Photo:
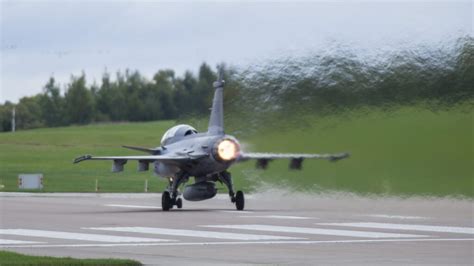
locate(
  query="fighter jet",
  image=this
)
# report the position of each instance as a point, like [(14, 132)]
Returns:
[(185, 153)]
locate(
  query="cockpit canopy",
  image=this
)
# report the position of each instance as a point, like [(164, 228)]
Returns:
[(177, 131)]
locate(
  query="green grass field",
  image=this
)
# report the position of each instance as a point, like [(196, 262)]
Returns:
[(407, 151), (8, 258)]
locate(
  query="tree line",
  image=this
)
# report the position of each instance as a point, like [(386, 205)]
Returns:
[(313, 84), (128, 97)]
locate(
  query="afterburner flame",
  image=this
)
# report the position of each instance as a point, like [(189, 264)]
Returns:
[(227, 150)]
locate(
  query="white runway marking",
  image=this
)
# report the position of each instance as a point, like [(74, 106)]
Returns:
[(302, 242), (313, 231), (192, 233), (414, 227), (396, 217), (77, 236), (14, 242), (237, 211), (278, 217), (132, 206)]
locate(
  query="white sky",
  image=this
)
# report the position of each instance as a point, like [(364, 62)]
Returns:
[(60, 38)]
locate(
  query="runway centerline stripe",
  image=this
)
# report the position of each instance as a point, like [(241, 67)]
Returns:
[(192, 233), (312, 231), (14, 242), (277, 217), (77, 236), (414, 227), (132, 206)]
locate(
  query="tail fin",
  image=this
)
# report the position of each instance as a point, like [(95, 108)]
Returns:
[(216, 122)]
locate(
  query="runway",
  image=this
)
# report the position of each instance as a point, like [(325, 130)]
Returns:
[(277, 227)]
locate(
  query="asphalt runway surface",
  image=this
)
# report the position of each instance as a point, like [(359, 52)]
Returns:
[(277, 227)]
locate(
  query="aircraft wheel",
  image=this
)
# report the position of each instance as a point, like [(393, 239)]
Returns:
[(239, 200), (165, 201), (179, 203)]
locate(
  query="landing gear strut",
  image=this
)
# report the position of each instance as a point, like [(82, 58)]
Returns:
[(237, 198), (169, 198)]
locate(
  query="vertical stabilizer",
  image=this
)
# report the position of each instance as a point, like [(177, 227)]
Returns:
[(216, 122)]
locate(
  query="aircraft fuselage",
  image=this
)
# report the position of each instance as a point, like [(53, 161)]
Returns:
[(202, 146)]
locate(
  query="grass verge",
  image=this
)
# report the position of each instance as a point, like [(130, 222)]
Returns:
[(405, 151), (13, 258)]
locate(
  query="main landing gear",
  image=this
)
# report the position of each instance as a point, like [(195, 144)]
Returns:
[(170, 198), (237, 198)]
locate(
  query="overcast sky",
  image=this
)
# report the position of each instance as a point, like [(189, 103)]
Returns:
[(44, 38)]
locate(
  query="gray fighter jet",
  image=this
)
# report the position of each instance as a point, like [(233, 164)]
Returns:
[(206, 156)]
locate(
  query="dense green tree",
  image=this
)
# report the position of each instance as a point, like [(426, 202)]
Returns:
[(52, 104), (184, 94), (5, 116), (203, 92), (133, 87), (29, 113), (79, 101), (164, 85), (110, 99)]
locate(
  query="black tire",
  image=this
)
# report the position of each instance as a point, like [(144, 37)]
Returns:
[(239, 200), (165, 201), (179, 203)]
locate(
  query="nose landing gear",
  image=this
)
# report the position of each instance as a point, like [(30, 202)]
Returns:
[(167, 202), (170, 198)]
